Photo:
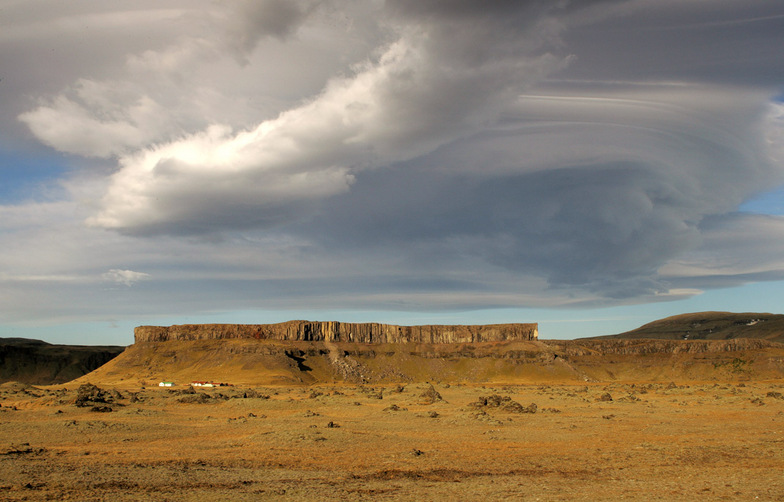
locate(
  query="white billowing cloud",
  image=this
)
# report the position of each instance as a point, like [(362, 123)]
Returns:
[(126, 277), (161, 93), (212, 180), (418, 95), (96, 121)]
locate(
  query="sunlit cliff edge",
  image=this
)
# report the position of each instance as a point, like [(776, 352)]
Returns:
[(332, 331)]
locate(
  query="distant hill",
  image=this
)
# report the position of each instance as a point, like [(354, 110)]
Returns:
[(711, 326), (40, 363)]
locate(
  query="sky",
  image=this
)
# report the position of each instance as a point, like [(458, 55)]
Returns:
[(589, 165)]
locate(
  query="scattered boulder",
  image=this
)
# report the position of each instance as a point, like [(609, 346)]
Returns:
[(92, 395), (430, 395), (515, 407), (395, 407), (775, 395), (254, 394), (102, 409), (196, 398), (492, 401), (503, 402), (22, 449), (606, 397)]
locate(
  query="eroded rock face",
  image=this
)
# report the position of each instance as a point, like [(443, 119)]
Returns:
[(331, 331), (586, 347), (40, 363)]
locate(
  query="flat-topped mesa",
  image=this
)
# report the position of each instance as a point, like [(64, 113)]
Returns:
[(332, 331)]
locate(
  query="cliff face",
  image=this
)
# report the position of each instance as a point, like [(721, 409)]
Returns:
[(40, 363), (615, 346), (331, 331)]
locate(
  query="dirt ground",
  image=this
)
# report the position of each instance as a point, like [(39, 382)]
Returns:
[(713, 441)]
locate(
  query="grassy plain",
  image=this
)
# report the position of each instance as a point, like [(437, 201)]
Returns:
[(592, 441)]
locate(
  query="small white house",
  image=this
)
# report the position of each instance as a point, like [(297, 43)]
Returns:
[(166, 384)]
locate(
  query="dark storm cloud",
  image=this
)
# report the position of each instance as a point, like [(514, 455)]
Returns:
[(255, 20), (721, 42), (598, 210)]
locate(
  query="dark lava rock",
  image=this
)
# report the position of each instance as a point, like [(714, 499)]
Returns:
[(430, 395), (22, 449), (92, 395), (504, 402), (254, 394), (395, 407), (197, 398), (515, 407)]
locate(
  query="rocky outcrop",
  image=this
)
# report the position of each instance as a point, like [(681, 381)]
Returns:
[(40, 363), (331, 331), (604, 347)]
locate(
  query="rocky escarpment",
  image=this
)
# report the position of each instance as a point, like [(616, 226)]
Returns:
[(331, 331), (40, 363), (606, 347)]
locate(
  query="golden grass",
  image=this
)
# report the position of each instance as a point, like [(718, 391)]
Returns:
[(717, 441)]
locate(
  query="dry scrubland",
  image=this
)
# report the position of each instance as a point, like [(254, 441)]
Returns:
[(716, 435), (650, 441)]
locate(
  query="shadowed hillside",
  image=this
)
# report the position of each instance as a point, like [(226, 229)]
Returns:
[(40, 363), (711, 326)]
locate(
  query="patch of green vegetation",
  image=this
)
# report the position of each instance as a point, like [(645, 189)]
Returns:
[(736, 365)]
